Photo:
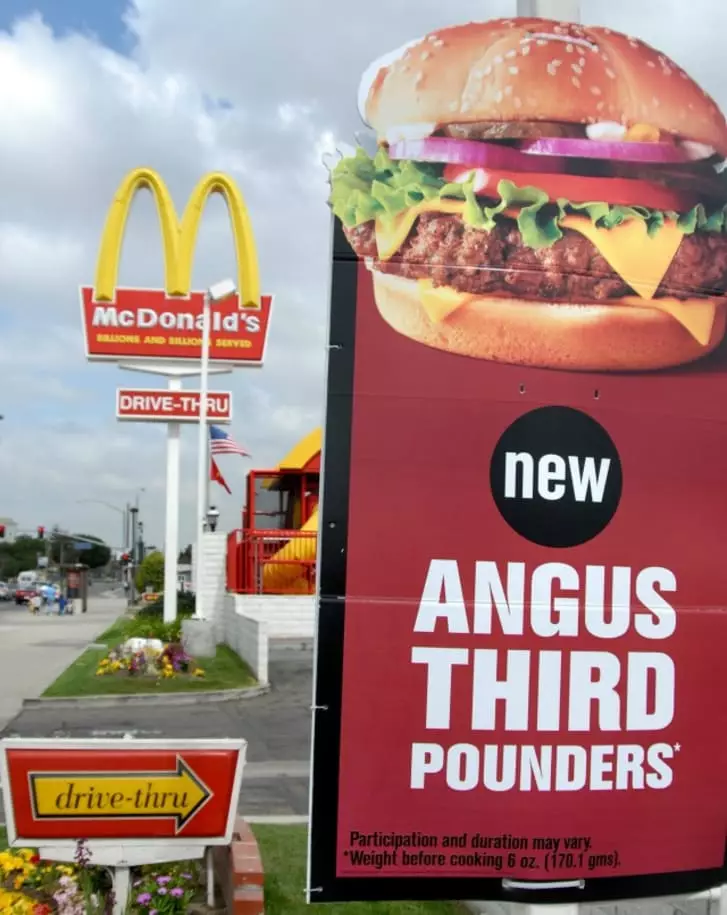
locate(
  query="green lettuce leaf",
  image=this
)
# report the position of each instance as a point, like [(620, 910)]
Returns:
[(365, 188)]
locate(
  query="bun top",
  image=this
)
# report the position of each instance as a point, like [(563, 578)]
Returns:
[(529, 69)]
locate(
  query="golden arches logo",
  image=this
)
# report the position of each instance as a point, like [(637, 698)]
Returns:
[(178, 237)]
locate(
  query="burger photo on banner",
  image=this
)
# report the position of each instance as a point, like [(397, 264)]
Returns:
[(543, 194)]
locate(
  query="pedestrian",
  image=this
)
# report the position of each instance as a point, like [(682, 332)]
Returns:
[(34, 604), (62, 603)]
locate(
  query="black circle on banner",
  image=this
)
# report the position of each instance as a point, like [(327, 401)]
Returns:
[(556, 476)]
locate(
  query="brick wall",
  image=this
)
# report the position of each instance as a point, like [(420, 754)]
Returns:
[(288, 616), (239, 871), (212, 585), (246, 635)]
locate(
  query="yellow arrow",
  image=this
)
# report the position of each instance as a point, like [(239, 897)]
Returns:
[(118, 795)]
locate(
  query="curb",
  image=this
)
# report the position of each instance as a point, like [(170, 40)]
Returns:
[(191, 698)]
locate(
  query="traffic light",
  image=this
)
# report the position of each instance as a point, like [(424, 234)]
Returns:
[(2, 531), (125, 559), (41, 532)]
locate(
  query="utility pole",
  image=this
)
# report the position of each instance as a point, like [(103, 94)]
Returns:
[(565, 10)]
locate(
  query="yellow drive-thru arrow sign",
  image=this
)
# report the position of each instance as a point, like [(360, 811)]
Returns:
[(119, 795)]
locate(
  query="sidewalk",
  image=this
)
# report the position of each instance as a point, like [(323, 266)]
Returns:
[(34, 650)]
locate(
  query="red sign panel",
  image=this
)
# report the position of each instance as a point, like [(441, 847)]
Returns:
[(522, 619), (104, 790), (146, 324), (171, 406)]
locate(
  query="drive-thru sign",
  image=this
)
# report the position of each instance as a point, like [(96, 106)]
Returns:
[(121, 791), (163, 405)]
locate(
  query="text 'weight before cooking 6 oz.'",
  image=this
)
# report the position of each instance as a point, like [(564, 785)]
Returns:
[(499, 854)]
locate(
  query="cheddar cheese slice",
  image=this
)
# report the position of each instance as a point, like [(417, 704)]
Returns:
[(695, 315), (641, 261)]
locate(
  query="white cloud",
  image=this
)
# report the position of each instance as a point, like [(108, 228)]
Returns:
[(263, 91)]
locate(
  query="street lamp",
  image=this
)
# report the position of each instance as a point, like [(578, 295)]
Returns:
[(216, 293), (213, 516)]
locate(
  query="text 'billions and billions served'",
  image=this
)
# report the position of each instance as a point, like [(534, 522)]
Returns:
[(498, 853)]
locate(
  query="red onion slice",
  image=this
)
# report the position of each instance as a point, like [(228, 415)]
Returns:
[(664, 153), (475, 153)]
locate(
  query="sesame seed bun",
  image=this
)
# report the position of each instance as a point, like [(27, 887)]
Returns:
[(529, 69), (570, 336)]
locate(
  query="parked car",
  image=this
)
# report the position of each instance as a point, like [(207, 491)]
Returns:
[(4, 591), (24, 591)]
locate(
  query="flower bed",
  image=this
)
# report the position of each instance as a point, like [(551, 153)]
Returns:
[(152, 659), (30, 886)]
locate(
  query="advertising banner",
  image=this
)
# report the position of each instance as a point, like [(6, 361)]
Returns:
[(161, 326), (163, 405), (521, 593)]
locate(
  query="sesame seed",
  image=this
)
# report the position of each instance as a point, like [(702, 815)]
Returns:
[(498, 96), (560, 30), (525, 50), (569, 48), (552, 70), (595, 90), (513, 70), (542, 42), (511, 54), (576, 69), (487, 70), (438, 43), (582, 62), (498, 59), (605, 57), (453, 106), (419, 77), (600, 106), (650, 63), (508, 90), (426, 55), (610, 74), (634, 44), (576, 82), (466, 106), (517, 103)]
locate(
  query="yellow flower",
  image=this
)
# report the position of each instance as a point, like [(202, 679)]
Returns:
[(198, 672)]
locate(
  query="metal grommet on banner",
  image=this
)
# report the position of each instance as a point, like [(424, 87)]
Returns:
[(335, 346), (319, 708)]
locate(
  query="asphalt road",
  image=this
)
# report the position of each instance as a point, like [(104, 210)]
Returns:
[(276, 726)]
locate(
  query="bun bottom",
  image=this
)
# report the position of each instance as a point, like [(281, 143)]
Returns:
[(567, 336)]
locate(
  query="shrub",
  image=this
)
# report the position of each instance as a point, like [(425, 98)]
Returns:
[(155, 608), (151, 572)]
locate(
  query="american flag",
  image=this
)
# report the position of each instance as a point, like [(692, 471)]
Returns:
[(222, 443)]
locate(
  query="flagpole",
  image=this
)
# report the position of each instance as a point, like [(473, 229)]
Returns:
[(208, 490), (216, 293), (203, 468)]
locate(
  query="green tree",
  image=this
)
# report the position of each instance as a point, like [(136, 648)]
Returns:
[(151, 572), (186, 555), (63, 549), (20, 556)]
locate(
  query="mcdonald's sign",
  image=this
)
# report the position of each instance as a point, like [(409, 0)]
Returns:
[(165, 325)]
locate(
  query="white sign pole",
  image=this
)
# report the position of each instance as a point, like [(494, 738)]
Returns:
[(565, 10), (203, 469), (171, 538)]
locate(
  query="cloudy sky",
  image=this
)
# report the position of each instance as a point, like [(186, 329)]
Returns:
[(89, 90)]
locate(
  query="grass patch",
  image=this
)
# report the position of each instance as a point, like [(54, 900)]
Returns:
[(225, 671), (283, 850)]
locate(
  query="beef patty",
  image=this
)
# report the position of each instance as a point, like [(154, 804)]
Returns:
[(442, 248)]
